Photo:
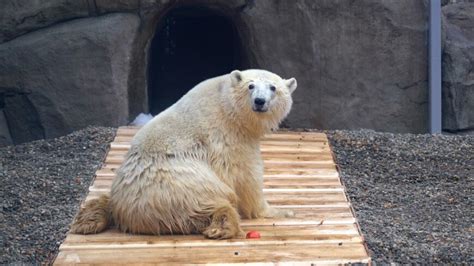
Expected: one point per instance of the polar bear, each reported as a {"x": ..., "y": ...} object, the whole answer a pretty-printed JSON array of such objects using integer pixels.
[{"x": 196, "y": 167}]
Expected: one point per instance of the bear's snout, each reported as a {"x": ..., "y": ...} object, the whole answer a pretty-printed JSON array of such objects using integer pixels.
[
  {"x": 259, "y": 105},
  {"x": 259, "y": 101}
]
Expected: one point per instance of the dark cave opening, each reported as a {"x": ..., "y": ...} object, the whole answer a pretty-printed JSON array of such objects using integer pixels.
[{"x": 191, "y": 44}]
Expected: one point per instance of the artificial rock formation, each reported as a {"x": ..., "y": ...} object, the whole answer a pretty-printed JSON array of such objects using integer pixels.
[
  {"x": 359, "y": 64},
  {"x": 68, "y": 76},
  {"x": 458, "y": 67}
]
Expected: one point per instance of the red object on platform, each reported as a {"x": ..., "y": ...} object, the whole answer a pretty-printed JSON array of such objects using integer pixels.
[{"x": 253, "y": 234}]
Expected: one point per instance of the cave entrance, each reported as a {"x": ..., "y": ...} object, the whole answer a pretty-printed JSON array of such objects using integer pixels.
[{"x": 190, "y": 45}]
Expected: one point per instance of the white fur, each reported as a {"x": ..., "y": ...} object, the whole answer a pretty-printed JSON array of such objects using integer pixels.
[{"x": 196, "y": 166}]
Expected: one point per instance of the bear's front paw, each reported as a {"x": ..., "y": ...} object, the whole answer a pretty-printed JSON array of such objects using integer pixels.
[{"x": 278, "y": 213}]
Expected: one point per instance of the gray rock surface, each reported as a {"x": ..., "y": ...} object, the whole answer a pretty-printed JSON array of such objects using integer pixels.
[
  {"x": 71, "y": 75},
  {"x": 359, "y": 64},
  {"x": 458, "y": 64},
  {"x": 23, "y": 120},
  {"x": 18, "y": 17},
  {"x": 105, "y": 6},
  {"x": 449, "y": 2},
  {"x": 5, "y": 136}
]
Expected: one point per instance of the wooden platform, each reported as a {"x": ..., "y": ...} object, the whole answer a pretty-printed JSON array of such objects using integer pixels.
[{"x": 300, "y": 174}]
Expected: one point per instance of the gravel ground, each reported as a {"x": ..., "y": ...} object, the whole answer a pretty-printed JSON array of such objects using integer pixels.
[
  {"x": 412, "y": 193},
  {"x": 41, "y": 186}
]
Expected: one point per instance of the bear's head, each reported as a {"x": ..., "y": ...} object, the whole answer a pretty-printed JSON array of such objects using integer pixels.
[{"x": 261, "y": 96}]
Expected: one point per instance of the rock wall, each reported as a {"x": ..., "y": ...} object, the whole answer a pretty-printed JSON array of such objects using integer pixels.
[
  {"x": 67, "y": 76},
  {"x": 458, "y": 67},
  {"x": 359, "y": 64}
]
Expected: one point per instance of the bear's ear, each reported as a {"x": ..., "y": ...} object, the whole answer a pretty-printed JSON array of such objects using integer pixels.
[
  {"x": 236, "y": 77},
  {"x": 291, "y": 84}
]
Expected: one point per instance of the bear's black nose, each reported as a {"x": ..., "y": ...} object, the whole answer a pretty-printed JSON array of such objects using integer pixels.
[{"x": 259, "y": 101}]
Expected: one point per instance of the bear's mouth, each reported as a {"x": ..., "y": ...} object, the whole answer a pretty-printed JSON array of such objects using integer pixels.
[{"x": 259, "y": 109}]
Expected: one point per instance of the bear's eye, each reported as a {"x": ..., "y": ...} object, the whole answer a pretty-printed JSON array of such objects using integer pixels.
[
  {"x": 273, "y": 88},
  {"x": 251, "y": 86}
]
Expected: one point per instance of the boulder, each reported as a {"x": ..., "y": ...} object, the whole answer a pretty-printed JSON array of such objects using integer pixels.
[
  {"x": 107, "y": 6},
  {"x": 458, "y": 67},
  {"x": 5, "y": 138},
  {"x": 449, "y": 2},
  {"x": 18, "y": 17},
  {"x": 69, "y": 76},
  {"x": 23, "y": 120}
]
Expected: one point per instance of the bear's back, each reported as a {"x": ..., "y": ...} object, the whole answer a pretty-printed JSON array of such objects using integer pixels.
[{"x": 185, "y": 125}]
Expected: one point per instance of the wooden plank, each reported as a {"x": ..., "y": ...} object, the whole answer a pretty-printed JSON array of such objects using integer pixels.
[
  {"x": 331, "y": 183},
  {"x": 324, "y": 176},
  {"x": 263, "y": 143},
  {"x": 326, "y": 156},
  {"x": 297, "y": 222},
  {"x": 303, "y": 234},
  {"x": 310, "y": 199},
  {"x": 301, "y": 171},
  {"x": 293, "y": 150},
  {"x": 276, "y": 181},
  {"x": 115, "y": 146},
  {"x": 297, "y": 133},
  {"x": 320, "y": 231},
  {"x": 302, "y": 183},
  {"x": 288, "y": 198},
  {"x": 317, "y": 211},
  {"x": 264, "y": 150},
  {"x": 124, "y": 131},
  {"x": 200, "y": 241},
  {"x": 115, "y": 162},
  {"x": 268, "y": 160},
  {"x": 305, "y": 164},
  {"x": 105, "y": 185},
  {"x": 321, "y": 174},
  {"x": 304, "y": 215},
  {"x": 285, "y": 162},
  {"x": 285, "y": 197},
  {"x": 310, "y": 136},
  {"x": 283, "y": 253},
  {"x": 280, "y": 135}
]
